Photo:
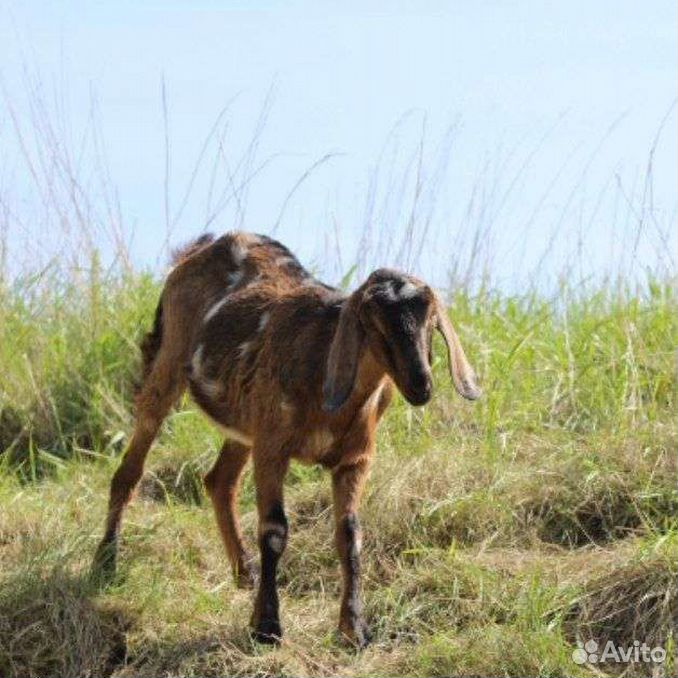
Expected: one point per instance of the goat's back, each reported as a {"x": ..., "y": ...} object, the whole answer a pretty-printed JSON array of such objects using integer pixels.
[{"x": 209, "y": 271}]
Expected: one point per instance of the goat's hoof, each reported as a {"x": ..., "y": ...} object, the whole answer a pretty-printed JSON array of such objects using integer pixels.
[
  {"x": 104, "y": 563},
  {"x": 355, "y": 633},
  {"x": 268, "y": 632}
]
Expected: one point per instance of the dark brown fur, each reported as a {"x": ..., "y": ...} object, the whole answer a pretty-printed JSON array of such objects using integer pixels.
[{"x": 291, "y": 369}]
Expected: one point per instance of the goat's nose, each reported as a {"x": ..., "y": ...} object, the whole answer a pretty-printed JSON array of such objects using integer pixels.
[
  {"x": 420, "y": 389},
  {"x": 420, "y": 381}
]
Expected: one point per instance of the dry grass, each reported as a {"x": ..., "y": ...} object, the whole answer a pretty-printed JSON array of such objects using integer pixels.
[{"x": 458, "y": 579}]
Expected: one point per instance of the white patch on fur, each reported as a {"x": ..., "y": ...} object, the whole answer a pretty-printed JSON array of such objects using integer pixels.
[
  {"x": 275, "y": 543},
  {"x": 234, "y": 278},
  {"x": 284, "y": 261},
  {"x": 210, "y": 388},
  {"x": 214, "y": 309},
  {"x": 372, "y": 402},
  {"x": 196, "y": 361},
  {"x": 263, "y": 320},
  {"x": 358, "y": 541},
  {"x": 238, "y": 252},
  {"x": 407, "y": 291},
  {"x": 244, "y": 348},
  {"x": 238, "y": 436},
  {"x": 276, "y": 528},
  {"x": 390, "y": 290}
]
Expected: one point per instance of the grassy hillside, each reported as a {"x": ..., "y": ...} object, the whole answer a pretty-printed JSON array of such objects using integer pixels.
[{"x": 497, "y": 534}]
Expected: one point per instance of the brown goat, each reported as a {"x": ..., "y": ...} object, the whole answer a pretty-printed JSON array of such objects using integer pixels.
[{"x": 289, "y": 368}]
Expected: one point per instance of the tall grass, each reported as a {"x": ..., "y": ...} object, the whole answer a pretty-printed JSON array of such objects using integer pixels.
[
  {"x": 591, "y": 361},
  {"x": 498, "y": 534}
]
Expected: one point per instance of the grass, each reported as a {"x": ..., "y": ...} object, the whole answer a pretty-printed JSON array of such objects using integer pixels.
[{"x": 498, "y": 534}]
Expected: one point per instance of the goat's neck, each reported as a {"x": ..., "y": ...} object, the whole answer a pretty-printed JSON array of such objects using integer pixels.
[{"x": 370, "y": 376}]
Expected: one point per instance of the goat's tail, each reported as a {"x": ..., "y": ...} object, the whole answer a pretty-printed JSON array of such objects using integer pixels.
[
  {"x": 150, "y": 344},
  {"x": 190, "y": 248}
]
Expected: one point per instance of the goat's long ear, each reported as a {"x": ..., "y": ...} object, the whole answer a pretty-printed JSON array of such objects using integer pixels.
[
  {"x": 463, "y": 376},
  {"x": 342, "y": 361}
]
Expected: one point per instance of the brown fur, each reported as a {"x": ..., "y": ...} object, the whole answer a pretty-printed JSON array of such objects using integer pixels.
[{"x": 291, "y": 369}]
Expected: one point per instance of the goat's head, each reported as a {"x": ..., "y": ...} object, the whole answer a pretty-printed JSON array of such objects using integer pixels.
[{"x": 394, "y": 315}]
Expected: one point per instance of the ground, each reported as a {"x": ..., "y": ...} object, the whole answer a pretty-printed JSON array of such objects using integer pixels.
[{"x": 498, "y": 534}]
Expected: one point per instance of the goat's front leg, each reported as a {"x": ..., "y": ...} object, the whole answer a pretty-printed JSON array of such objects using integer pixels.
[
  {"x": 347, "y": 483},
  {"x": 269, "y": 473}
]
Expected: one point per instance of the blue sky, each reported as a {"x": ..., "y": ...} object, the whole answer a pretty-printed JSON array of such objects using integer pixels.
[{"x": 531, "y": 90}]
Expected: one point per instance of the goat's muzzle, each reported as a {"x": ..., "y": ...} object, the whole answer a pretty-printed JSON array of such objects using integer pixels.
[{"x": 418, "y": 390}]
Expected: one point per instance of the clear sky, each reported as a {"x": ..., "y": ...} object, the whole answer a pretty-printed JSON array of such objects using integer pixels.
[{"x": 553, "y": 108}]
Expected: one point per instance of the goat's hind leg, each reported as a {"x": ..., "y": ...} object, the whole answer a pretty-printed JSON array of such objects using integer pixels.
[
  {"x": 223, "y": 484},
  {"x": 158, "y": 394}
]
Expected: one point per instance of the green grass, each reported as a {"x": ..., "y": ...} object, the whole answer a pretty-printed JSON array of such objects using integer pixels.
[{"x": 497, "y": 534}]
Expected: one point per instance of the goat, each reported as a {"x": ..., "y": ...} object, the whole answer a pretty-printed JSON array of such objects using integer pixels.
[{"x": 289, "y": 368}]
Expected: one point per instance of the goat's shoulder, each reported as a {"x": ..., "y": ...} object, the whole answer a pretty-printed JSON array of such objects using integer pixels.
[
  {"x": 265, "y": 312},
  {"x": 301, "y": 328},
  {"x": 307, "y": 311}
]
